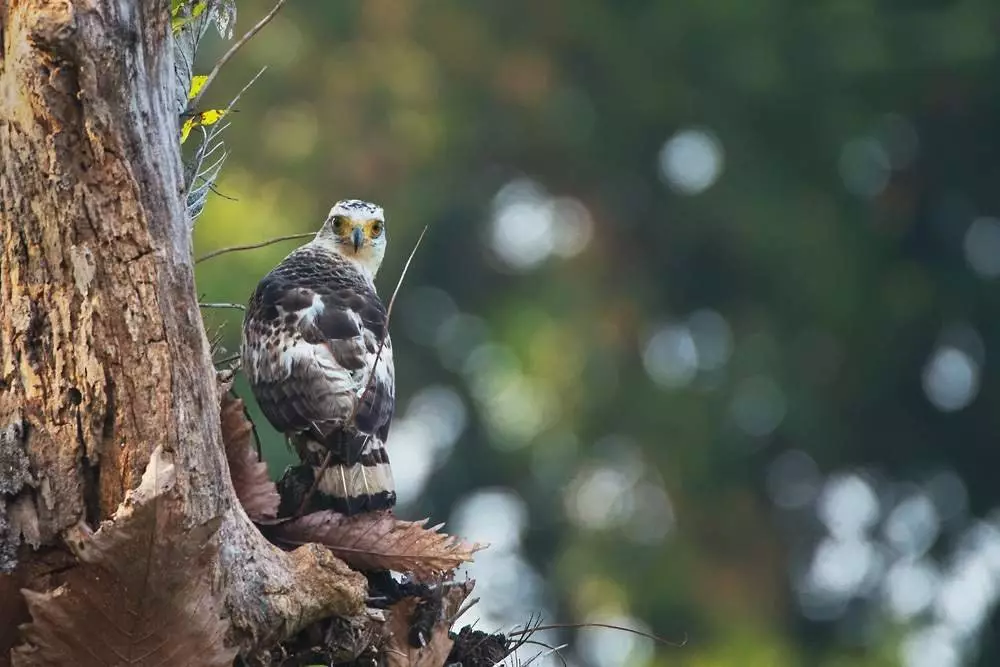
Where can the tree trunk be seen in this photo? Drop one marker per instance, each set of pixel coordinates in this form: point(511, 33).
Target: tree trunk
point(103, 355)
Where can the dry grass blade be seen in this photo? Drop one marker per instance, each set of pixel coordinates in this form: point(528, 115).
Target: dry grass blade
point(549, 650)
point(388, 315)
point(253, 246)
point(141, 595)
point(379, 541)
point(257, 493)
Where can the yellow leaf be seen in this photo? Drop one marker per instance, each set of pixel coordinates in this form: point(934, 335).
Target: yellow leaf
point(207, 117)
point(197, 83)
point(177, 15)
point(186, 129)
point(211, 116)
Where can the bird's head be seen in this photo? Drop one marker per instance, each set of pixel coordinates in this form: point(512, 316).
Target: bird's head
point(355, 229)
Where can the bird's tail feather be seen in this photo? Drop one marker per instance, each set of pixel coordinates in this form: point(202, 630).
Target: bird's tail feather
point(349, 484)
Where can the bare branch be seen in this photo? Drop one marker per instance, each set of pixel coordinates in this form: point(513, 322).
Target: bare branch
point(233, 49)
point(226, 360)
point(253, 246)
point(235, 306)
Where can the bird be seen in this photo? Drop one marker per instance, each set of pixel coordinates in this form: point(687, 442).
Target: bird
point(318, 357)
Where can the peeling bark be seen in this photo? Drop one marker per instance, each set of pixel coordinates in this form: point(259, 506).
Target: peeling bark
point(103, 355)
point(87, 355)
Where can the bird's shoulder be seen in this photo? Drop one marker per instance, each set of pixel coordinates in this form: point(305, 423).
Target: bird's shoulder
point(320, 293)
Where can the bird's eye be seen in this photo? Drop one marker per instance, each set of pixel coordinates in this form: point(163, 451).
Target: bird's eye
point(339, 222)
point(377, 229)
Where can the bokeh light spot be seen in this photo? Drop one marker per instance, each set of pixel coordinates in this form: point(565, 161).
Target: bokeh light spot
point(864, 167)
point(713, 339)
point(848, 506)
point(913, 525)
point(793, 479)
point(951, 379)
point(840, 566)
point(424, 436)
point(600, 497)
point(982, 247)
point(758, 406)
point(909, 588)
point(930, 647)
point(671, 357)
point(529, 226)
point(691, 161)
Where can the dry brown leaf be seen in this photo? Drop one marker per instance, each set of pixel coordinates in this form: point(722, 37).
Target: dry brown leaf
point(254, 488)
point(380, 541)
point(399, 653)
point(142, 595)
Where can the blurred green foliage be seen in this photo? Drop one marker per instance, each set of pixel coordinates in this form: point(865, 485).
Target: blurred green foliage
point(844, 147)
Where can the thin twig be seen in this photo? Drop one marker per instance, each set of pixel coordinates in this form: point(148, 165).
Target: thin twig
point(232, 103)
point(551, 650)
point(233, 49)
point(563, 626)
point(235, 306)
point(221, 194)
point(385, 328)
point(466, 606)
point(228, 359)
point(252, 246)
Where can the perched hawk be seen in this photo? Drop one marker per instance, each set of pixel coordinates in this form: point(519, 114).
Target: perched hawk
point(311, 336)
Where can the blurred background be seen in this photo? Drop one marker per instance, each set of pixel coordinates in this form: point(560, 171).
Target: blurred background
point(702, 336)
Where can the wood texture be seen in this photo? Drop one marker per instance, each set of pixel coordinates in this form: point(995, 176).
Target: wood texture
point(103, 355)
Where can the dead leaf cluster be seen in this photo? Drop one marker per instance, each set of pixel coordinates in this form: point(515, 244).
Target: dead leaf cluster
point(143, 590)
point(141, 595)
point(254, 488)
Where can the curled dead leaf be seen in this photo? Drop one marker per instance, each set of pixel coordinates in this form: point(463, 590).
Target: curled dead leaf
point(380, 541)
point(142, 594)
point(399, 653)
point(257, 493)
point(436, 640)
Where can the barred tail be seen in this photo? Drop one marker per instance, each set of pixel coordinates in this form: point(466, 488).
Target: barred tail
point(364, 485)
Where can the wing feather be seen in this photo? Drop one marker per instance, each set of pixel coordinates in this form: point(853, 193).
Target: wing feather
point(311, 338)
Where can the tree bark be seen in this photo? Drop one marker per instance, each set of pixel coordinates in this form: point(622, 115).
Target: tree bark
point(103, 355)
